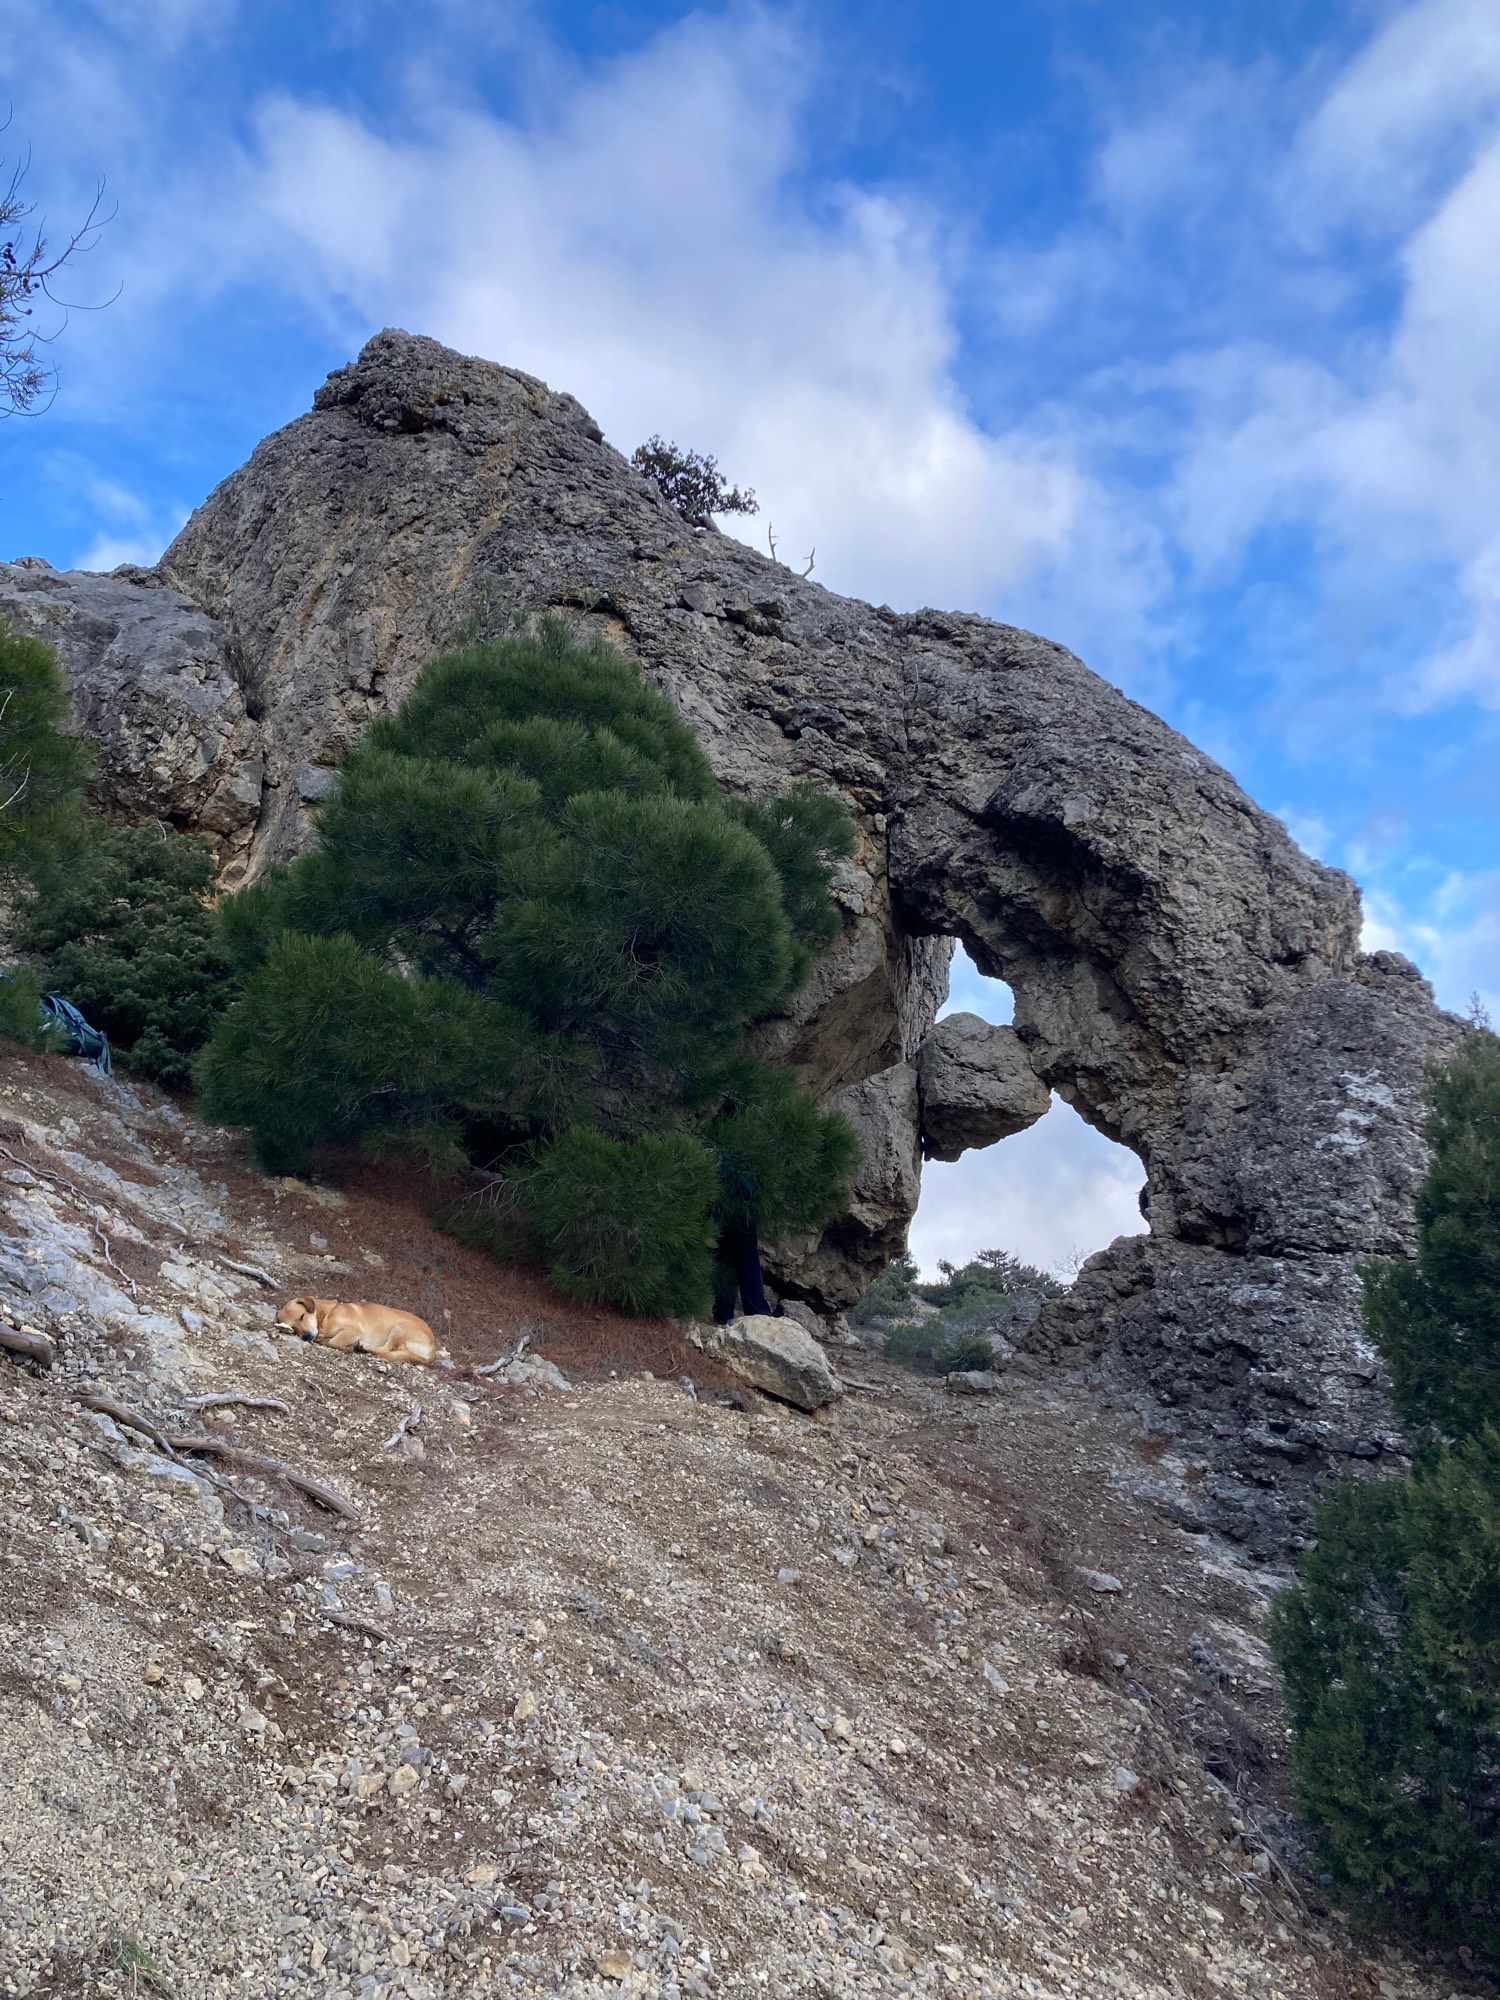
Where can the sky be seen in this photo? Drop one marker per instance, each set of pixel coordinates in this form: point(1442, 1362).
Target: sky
point(1171, 331)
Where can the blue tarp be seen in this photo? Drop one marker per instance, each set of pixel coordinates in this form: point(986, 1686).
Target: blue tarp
point(84, 1039)
point(81, 1037)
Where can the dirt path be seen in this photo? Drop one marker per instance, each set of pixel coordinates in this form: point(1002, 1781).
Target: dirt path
point(597, 1690)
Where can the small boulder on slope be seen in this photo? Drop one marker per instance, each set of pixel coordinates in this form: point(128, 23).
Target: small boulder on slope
point(777, 1355)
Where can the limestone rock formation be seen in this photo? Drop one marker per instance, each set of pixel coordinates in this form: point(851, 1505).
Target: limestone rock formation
point(976, 1086)
point(153, 687)
point(1184, 976)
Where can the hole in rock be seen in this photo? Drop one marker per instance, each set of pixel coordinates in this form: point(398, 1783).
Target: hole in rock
point(1051, 1195)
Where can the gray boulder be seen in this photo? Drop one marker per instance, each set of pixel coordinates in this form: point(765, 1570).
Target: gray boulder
point(777, 1355)
point(976, 1086)
point(154, 688)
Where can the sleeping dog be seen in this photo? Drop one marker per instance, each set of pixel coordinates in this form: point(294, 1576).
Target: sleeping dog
point(367, 1329)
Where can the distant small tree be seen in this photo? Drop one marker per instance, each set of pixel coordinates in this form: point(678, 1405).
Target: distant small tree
point(1390, 1642)
point(970, 1307)
point(29, 266)
point(691, 482)
point(43, 769)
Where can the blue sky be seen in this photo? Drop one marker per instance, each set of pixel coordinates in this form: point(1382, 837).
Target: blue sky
point(1170, 331)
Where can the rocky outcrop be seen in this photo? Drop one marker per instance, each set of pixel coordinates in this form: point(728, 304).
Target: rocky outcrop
point(153, 686)
point(1184, 976)
point(828, 1270)
point(976, 1085)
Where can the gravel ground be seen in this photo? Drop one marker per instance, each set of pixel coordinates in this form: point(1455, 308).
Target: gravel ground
point(605, 1689)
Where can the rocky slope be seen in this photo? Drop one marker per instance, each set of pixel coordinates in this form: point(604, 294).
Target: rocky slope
point(586, 1690)
point(1183, 974)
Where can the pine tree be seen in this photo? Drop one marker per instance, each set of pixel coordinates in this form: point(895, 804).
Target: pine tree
point(1390, 1642)
point(532, 935)
point(121, 923)
point(43, 769)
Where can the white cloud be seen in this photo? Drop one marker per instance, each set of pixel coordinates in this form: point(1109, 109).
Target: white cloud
point(1452, 931)
point(645, 249)
point(131, 530)
point(1423, 87)
point(1048, 1195)
point(108, 551)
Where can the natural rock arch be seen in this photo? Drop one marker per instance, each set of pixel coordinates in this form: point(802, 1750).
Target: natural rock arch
point(1183, 974)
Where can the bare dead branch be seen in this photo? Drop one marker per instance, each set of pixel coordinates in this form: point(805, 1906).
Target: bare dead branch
point(505, 1361)
point(222, 1397)
point(408, 1423)
point(35, 1346)
point(248, 1271)
point(171, 1444)
point(109, 1259)
point(347, 1622)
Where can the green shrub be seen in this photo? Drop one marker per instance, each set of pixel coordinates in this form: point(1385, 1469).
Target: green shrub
point(1390, 1641)
point(691, 482)
point(326, 1043)
point(21, 1018)
point(890, 1296)
point(43, 770)
point(992, 1295)
point(531, 935)
point(629, 1221)
point(122, 927)
point(1437, 1320)
point(991, 1278)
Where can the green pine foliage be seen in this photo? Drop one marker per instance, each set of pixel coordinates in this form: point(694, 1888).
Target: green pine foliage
point(121, 924)
point(531, 936)
point(628, 1221)
point(973, 1305)
point(43, 770)
point(1437, 1321)
point(21, 1017)
point(1390, 1642)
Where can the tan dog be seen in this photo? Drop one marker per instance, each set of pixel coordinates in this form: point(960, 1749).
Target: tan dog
point(366, 1329)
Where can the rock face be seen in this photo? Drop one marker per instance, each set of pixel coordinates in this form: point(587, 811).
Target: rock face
point(976, 1086)
point(153, 686)
point(777, 1355)
point(1184, 976)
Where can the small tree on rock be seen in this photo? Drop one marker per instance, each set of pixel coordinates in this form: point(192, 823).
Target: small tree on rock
point(691, 482)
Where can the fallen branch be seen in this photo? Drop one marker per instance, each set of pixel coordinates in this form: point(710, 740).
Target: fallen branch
point(91, 1399)
point(506, 1360)
point(274, 1468)
point(35, 1346)
point(349, 1623)
point(248, 1271)
point(109, 1259)
point(869, 1388)
point(83, 1200)
point(222, 1397)
point(408, 1423)
point(31, 1167)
